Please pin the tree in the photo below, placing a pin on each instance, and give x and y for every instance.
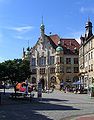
(16, 70)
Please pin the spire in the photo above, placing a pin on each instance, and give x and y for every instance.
(88, 19)
(42, 29)
(42, 19)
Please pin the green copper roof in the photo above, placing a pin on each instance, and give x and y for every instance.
(59, 48)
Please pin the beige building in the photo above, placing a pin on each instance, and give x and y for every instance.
(86, 56)
(54, 60)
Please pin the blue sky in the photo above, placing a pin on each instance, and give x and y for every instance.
(20, 22)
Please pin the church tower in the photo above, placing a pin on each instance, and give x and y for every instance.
(88, 27)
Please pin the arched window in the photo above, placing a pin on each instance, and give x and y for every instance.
(33, 80)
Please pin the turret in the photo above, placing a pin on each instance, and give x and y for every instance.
(59, 48)
(88, 27)
(59, 63)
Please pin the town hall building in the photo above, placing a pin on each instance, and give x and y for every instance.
(54, 60)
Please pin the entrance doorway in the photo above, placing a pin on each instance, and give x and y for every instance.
(42, 82)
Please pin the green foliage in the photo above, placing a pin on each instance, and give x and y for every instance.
(15, 70)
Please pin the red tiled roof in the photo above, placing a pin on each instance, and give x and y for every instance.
(70, 43)
(55, 38)
(67, 43)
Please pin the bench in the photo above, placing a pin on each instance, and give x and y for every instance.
(21, 95)
(12, 95)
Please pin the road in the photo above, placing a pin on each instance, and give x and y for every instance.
(53, 106)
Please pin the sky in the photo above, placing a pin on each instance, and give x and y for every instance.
(20, 22)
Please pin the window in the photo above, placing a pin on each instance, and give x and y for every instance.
(33, 62)
(91, 67)
(33, 71)
(68, 79)
(91, 44)
(61, 60)
(42, 61)
(51, 60)
(42, 71)
(33, 80)
(76, 69)
(75, 60)
(68, 69)
(52, 70)
(57, 60)
(68, 60)
(91, 55)
(60, 69)
(86, 68)
(86, 57)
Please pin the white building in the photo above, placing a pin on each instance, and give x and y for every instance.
(86, 56)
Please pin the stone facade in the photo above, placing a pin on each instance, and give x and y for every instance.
(86, 57)
(54, 60)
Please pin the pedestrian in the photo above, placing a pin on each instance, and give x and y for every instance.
(61, 86)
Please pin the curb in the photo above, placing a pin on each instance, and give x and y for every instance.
(84, 117)
(80, 117)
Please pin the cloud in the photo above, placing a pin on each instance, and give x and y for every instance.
(22, 29)
(22, 37)
(84, 10)
(19, 37)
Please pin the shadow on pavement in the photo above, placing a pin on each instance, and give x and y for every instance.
(21, 113)
(25, 110)
(52, 99)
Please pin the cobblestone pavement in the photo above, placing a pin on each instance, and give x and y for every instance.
(53, 106)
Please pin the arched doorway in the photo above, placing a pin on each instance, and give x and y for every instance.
(75, 78)
(42, 82)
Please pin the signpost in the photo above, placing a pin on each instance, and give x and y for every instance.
(40, 90)
(27, 86)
